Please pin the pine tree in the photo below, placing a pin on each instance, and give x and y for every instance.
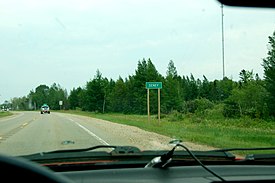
(269, 73)
(171, 89)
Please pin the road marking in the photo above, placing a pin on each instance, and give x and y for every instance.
(92, 134)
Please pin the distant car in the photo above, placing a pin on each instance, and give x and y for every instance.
(45, 109)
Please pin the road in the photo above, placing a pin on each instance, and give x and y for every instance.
(32, 132)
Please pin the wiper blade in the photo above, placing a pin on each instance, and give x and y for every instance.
(80, 150)
(260, 157)
(243, 149)
(84, 152)
(117, 150)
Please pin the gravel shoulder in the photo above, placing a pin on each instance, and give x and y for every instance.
(143, 139)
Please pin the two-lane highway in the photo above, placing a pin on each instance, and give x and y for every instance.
(32, 132)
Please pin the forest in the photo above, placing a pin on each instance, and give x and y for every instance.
(249, 96)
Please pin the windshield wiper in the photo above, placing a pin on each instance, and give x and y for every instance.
(242, 149)
(80, 150)
(116, 151)
(252, 157)
(260, 157)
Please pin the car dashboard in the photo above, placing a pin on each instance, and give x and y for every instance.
(191, 174)
(114, 170)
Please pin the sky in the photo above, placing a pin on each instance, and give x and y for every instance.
(66, 41)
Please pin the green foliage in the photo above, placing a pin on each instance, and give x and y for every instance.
(5, 114)
(146, 72)
(221, 90)
(174, 116)
(248, 99)
(55, 94)
(198, 106)
(172, 70)
(203, 104)
(215, 113)
(231, 109)
(42, 94)
(269, 74)
(74, 98)
(192, 88)
(179, 94)
(205, 88)
(171, 92)
(246, 76)
(118, 97)
(95, 93)
(21, 103)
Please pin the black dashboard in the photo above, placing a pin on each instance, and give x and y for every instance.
(14, 169)
(192, 174)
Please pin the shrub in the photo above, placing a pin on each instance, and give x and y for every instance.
(231, 109)
(175, 116)
(198, 105)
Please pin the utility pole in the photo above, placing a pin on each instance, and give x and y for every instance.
(223, 69)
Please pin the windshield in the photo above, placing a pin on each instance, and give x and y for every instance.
(135, 73)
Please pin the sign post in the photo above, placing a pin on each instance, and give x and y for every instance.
(153, 85)
(159, 104)
(60, 103)
(148, 104)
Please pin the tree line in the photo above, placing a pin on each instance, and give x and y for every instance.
(42, 94)
(250, 95)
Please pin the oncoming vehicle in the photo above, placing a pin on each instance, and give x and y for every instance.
(45, 109)
(139, 91)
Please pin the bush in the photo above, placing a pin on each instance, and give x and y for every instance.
(78, 109)
(198, 105)
(216, 112)
(231, 109)
(175, 116)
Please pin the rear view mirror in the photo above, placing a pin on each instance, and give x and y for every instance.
(249, 3)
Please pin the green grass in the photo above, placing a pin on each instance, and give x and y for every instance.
(213, 130)
(4, 114)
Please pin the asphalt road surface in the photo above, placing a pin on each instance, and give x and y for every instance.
(32, 132)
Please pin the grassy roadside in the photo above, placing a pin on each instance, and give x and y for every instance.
(4, 114)
(212, 130)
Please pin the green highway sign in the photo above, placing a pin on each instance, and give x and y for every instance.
(153, 85)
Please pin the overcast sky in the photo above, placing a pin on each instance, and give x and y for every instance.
(65, 41)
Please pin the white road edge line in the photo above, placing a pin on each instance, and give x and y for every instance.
(92, 134)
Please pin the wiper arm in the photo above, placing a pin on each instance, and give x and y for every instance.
(242, 149)
(81, 150)
(251, 157)
(260, 157)
(117, 151)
